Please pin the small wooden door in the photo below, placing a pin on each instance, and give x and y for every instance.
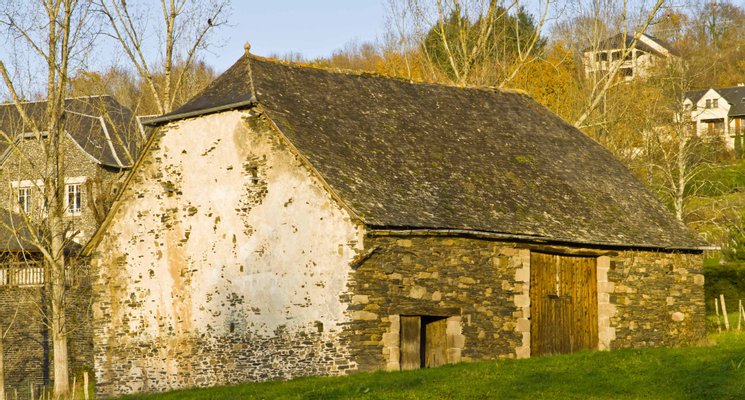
(423, 342)
(435, 347)
(411, 331)
(563, 304)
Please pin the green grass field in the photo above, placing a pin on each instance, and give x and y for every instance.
(712, 371)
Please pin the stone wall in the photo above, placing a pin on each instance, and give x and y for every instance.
(473, 280)
(644, 298)
(658, 299)
(225, 263)
(28, 344)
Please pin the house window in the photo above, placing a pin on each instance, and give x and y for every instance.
(603, 56)
(715, 103)
(24, 199)
(74, 198)
(708, 103)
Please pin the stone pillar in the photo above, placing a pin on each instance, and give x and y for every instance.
(606, 310)
(391, 344)
(522, 303)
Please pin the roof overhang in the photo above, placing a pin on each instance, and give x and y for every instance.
(164, 119)
(533, 239)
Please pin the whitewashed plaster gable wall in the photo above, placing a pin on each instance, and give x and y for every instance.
(222, 228)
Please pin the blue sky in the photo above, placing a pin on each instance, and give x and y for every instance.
(311, 27)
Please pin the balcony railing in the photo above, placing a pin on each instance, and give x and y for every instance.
(31, 273)
(22, 273)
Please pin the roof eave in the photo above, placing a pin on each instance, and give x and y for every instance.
(390, 231)
(195, 113)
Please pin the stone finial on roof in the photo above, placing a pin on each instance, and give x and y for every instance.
(247, 47)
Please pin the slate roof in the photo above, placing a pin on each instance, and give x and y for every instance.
(14, 232)
(425, 156)
(617, 42)
(735, 96)
(103, 128)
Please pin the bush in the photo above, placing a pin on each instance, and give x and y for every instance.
(727, 279)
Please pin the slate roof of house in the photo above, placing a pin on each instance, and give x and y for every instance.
(425, 156)
(15, 234)
(617, 42)
(735, 96)
(103, 128)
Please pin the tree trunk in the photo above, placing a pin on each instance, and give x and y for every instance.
(59, 329)
(681, 186)
(2, 365)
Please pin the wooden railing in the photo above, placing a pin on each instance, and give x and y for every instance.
(22, 273)
(34, 273)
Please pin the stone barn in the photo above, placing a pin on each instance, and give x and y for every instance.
(292, 221)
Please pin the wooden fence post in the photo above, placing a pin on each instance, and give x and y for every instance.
(716, 309)
(724, 312)
(85, 384)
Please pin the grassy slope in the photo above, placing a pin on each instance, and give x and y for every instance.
(710, 372)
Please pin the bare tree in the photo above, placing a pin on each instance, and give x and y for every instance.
(472, 42)
(603, 13)
(55, 33)
(183, 32)
(675, 153)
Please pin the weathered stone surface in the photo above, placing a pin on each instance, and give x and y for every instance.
(650, 288)
(457, 289)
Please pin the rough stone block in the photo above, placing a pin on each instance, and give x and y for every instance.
(360, 299)
(523, 325)
(417, 292)
(522, 300)
(606, 287)
(364, 315)
(522, 352)
(522, 275)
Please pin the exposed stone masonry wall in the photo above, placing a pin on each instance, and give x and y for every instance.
(28, 345)
(644, 298)
(471, 279)
(218, 359)
(658, 298)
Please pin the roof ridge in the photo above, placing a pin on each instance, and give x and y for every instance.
(8, 103)
(373, 74)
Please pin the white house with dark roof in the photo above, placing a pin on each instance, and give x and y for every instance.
(718, 111)
(641, 57)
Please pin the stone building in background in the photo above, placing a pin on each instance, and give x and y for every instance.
(99, 147)
(291, 221)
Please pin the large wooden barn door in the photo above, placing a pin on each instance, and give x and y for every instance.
(563, 304)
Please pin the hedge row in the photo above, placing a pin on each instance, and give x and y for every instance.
(726, 279)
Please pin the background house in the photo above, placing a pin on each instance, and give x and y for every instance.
(99, 146)
(718, 112)
(599, 59)
(291, 221)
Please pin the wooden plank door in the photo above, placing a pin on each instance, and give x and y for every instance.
(564, 307)
(435, 348)
(411, 331)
